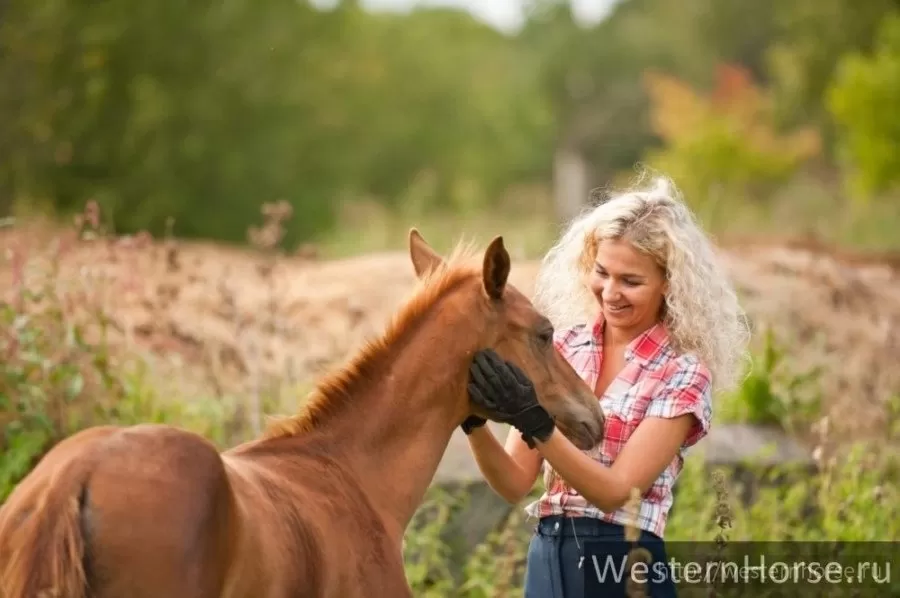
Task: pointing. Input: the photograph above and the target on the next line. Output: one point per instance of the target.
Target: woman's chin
(617, 315)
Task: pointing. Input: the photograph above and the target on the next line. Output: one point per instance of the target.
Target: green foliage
(48, 368)
(855, 496)
(201, 116)
(771, 394)
(863, 99)
(812, 37)
(426, 553)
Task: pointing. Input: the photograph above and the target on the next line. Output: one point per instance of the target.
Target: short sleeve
(687, 389)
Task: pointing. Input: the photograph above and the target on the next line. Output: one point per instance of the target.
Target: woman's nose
(610, 291)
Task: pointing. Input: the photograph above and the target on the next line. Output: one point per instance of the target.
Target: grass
(58, 375)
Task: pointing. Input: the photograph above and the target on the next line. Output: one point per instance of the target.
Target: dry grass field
(217, 320)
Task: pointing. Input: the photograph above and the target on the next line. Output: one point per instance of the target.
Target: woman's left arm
(679, 416)
(644, 457)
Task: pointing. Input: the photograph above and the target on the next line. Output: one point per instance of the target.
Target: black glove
(472, 422)
(504, 390)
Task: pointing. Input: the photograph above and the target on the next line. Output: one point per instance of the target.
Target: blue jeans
(559, 543)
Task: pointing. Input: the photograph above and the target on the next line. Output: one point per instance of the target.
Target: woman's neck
(619, 338)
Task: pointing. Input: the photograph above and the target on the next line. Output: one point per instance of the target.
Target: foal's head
(503, 319)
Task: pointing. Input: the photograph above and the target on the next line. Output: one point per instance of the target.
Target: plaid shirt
(655, 382)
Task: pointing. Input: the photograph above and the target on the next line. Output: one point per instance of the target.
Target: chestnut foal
(318, 506)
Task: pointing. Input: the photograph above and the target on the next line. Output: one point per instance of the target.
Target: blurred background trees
(203, 111)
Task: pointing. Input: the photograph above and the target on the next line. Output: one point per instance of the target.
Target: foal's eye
(545, 336)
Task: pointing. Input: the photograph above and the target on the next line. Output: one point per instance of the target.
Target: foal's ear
(496, 268)
(423, 257)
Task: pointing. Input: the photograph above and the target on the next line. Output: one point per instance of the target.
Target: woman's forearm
(503, 473)
(649, 450)
(597, 483)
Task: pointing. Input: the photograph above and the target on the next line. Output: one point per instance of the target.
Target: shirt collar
(646, 347)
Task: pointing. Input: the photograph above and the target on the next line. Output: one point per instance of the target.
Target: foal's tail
(41, 542)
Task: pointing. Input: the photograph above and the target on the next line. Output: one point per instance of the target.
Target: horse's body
(318, 506)
(162, 514)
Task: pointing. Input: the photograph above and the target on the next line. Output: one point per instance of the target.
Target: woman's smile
(616, 309)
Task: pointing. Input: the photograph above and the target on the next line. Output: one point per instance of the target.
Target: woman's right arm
(510, 471)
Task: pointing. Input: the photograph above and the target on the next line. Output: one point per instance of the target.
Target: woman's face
(629, 286)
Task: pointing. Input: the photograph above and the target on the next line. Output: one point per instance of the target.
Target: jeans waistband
(562, 526)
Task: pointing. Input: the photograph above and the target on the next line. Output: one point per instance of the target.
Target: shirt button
(556, 525)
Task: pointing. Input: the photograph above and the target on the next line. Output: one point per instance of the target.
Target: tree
(864, 99)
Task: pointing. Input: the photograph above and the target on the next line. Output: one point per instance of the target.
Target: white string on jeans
(575, 534)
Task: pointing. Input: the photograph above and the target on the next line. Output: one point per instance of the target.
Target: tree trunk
(570, 183)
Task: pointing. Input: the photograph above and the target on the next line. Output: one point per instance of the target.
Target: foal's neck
(400, 430)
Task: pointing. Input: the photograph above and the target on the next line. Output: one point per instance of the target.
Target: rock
(765, 445)
(754, 457)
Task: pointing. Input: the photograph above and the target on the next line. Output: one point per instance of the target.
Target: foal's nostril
(585, 435)
(594, 426)
(589, 430)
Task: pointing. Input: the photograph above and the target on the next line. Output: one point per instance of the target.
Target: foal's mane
(336, 389)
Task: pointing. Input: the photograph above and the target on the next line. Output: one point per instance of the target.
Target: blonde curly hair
(701, 310)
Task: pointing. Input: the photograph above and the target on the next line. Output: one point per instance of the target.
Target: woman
(646, 315)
